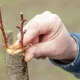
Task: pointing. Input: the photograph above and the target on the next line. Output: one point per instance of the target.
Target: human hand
(49, 38)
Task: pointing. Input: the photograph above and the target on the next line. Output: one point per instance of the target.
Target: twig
(3, 32)
(21, 30)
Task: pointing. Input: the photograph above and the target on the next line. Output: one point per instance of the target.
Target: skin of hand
(49, 38)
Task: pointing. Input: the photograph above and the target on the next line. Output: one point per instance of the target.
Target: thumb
(37, 51)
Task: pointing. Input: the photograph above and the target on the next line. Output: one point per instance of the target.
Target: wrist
(75, 48)
(73, 53)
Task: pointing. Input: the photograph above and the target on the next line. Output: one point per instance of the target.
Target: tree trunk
(16, 66)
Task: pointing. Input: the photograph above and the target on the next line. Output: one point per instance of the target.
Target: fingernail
(29, 57)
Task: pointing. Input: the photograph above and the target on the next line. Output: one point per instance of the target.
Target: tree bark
(16, 66)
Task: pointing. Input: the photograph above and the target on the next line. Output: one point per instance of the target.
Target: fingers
(38, 51)
(40, 24)
(31, 34)
(42, 57)
(36, 22)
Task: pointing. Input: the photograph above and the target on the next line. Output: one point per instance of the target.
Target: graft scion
(21, 30)
(3, 32)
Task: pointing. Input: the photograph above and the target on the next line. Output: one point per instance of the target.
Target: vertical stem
(21, 29)
(2, 29)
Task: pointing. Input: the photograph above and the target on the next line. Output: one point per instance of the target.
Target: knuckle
(37, 16)
(47, 12)
(55, 16)
(34, 25)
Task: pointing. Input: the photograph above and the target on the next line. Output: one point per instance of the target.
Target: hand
(49, 38)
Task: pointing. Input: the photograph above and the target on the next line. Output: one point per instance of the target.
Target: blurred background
(69, 12)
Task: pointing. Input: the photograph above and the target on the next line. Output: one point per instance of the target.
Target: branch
(18, 27)
(3, 32)
(21, 30)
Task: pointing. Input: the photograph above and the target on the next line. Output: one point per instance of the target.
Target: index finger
(31, 33)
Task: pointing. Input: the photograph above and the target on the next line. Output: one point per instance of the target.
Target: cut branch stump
(16, 66)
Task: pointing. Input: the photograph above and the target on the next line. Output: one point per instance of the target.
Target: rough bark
(16, 66)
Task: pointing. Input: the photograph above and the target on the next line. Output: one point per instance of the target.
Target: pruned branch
(3, 32)
(8, 36)
(21, 30)
(18, 26)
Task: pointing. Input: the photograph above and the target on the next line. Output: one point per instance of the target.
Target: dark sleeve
(74, 66)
